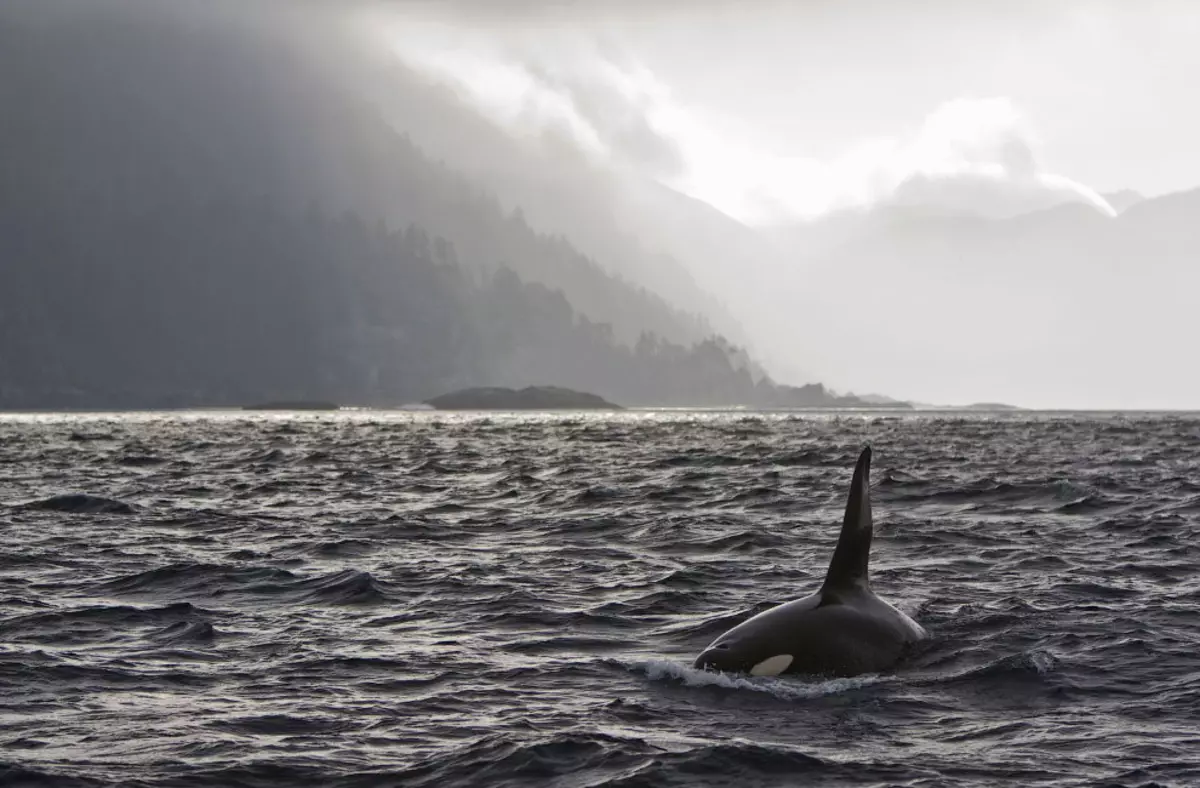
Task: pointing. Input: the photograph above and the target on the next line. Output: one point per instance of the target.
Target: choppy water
(439, 600)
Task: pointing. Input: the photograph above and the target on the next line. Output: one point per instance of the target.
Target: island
(528, 398)
(815, 395)
(975, 407)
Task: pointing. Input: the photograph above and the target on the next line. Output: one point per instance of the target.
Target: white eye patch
(772, 666)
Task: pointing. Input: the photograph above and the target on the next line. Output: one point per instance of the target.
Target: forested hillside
(189, 215)
(120, 101)
(224, 303)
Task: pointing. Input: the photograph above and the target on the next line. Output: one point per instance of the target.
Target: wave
(744, 540)
(348, 587)
(1037, 669)
(17, 776)
(87, 624)
(655, 601)
(89, 437)
(700, 459)
(269, 457)
(751, 760)
(988, 492)
(566, 643)
(805, 457)
(345, 547)
(595, 758)
(783, 688)
(283, 725)
(59, 675)
(500, 759)
(345, 587)
(187, 578)
(80, 503)
(185, 632)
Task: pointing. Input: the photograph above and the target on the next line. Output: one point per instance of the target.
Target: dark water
(436, 600)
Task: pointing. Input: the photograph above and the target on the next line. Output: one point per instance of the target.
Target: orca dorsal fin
(848, 569)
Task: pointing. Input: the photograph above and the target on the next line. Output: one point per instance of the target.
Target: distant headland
(528, 398)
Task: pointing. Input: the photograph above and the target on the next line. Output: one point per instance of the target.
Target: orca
(843, 629)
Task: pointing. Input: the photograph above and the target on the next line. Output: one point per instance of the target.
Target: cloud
(520, 11)
(575, 84)
(995, 195)
(618, 106)
(583, 86)
(974, 156)
(979, 156)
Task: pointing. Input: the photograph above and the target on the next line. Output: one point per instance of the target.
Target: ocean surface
(424, 599)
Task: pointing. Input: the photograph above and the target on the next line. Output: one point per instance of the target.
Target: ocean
(435, 599)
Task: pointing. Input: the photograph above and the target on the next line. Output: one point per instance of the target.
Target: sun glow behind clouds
(971, 154)
(616, 110)
(497, 85)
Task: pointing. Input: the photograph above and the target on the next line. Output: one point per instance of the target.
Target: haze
(780, 114)
(944, 202)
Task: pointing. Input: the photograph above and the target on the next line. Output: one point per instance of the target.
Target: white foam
(793, 688)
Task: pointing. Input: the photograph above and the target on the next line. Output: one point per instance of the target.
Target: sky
(774, 111)
(783, 114)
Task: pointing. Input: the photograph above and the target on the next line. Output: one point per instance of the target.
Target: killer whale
(843, 629)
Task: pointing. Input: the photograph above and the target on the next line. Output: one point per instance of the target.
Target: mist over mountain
(1123, 198)
(553, 185)
(1089, 305)
(573, 144)
(966, 159)
(196, 208)
(946, 260)
(159, 101)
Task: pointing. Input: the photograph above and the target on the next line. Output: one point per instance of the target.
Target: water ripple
(363, 599)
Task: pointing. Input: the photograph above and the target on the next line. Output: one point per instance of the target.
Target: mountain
(1075, 306)
(1123, 198)
(556, 190)
(699, 259)
(152, 100)
(195, 210)
(219, 302)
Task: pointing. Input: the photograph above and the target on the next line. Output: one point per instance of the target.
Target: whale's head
(721, 656)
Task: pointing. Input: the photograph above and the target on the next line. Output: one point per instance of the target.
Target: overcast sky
(771, 109)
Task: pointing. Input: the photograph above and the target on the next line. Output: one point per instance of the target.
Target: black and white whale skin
(843, 629)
